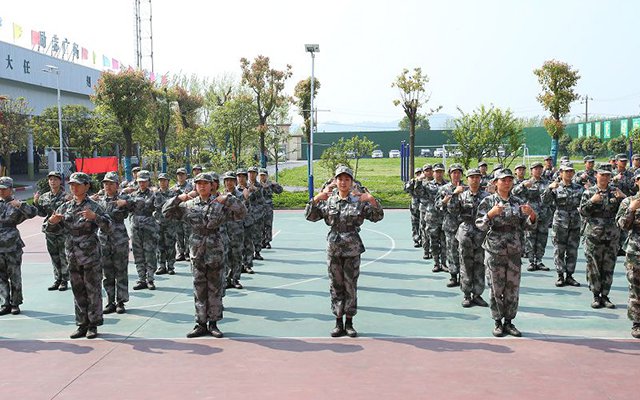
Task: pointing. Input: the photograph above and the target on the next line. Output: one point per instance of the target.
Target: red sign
(97, 165)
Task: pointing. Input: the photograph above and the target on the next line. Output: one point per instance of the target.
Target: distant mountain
(437, 121)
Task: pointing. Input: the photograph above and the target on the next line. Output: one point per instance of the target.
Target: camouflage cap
(163, 175)
(214, 177)
(143, 176)
(547, 158)
(54, 173)
(79, 177)
(564, 158)
(253, 169)
(111, 177)
(473, 172)
(417, 170)
(536, 165)
(135, 169)
(621, 157)
(263, 171)
(197, 166)
(483, 164)
(181, 171)
(497, 167)
(427, 166)
(241, 171)
(229, 175)
(503, 173)
(203, 176)
(567, 166)
(612, 158)
(604, 168)
(343, 169)
(520, 166)
(438, 167)
(455, 167)
(589, 159)
(635, 157)
(6, 182)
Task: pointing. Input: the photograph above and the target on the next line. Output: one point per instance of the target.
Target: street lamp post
(313, 49)
(54, 70)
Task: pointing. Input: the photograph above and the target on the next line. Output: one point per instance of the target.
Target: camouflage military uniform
(206, 248)
(83, 255)
(11, 250)
(503, 249)
(47, 204)
(601, 238)
(248, 248)
(433, 221)
(630, 221)
(268, 189)
(624, 181)
(344, 246)
(182, 228)
(536, 239)
(450, 224)
(566, 224)
(167, 234)
(548, 174)
(114, 249)
(258, 209)
(235, 232)
(584, 177)
(414, 210)
(472, 270)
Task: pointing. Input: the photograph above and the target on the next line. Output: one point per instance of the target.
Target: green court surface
(288, 297)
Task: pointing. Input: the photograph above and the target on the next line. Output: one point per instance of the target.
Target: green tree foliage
(302, 96)
(422, 123)
(191, 134)
(267, 85)
(563, 144)
(346, 152)
(14, 127)
(125, 95)
(487, 132)
(234, 129)
(413, 95)
(278, 134)
(162, 110)
(593, 146)
(617, 145)
(575, 146)
(359, 147)
(558, 81)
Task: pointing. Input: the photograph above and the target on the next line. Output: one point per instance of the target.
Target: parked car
(394, 154)
(438, 152)
(351, 154)
(377, 154)
(425, 152)
(455, 153)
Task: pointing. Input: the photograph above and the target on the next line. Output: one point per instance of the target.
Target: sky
(474, 52)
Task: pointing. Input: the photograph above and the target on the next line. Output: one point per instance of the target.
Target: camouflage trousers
(11, 278)
(472, 270)
(183, 231)
(565, 245)
(144, 242)
(208, 287)
(424, 234)
(115, 263)
(438, 243)
(256, 234)
(55, 247)
(414, 212)
(503, 273)
(536, 242)
(601, 261)
(633, 276)
(233, 264)
(87, 292)
(247, 246)
(167, 246)
(343, 277)
(267, 230)
(453, 252)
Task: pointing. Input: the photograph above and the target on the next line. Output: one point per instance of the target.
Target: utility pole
(585, 101)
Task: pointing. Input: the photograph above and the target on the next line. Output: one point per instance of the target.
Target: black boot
(54, 286)
(606, 302)
(197, 331)
(498, 330)
(92, 332)
(213, 330)
(339, 329)
(570, 281)
(466, 302)
(597, 301)
(454, 281)
(635, 330)
(510, 329)
(480, 301)
(257, 256)
(109, 308)
(348, 327)
(80, 332)
(560, 282)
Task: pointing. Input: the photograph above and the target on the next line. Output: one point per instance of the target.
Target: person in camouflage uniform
(235, 233)
(586, 178)
(484, 174)
(206, 213)
(182, 234)
(464, 204)
(549, 170)
(268, 189)
(258, 208)
(79, 219)
(249, 220)
(635, 163)
(12, 213)
(501, 215)
(428, 190)
(451, 221)
(414, 207)
(521, 171)
(168, 229)
(46, 204)
(344, 211)
(536, 239)
(628, 219)
(129, 186)
(114, 246)
(622, 178)
(425, 203)
(564, 197)
(598, 207)
(195, 171)
(142, 205)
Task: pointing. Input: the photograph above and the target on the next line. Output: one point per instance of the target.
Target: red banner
(96, 165)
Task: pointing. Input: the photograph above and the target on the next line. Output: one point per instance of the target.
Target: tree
(126, 95)
(14, 127)
(161, 113)
(335, 155)
(234, 127)
(302, 95)
(192, 137)
(563, 144)
(278, 134)
(575, 146)
(358, 148)
(617, 145)
(593, 146)
(487, 132)
(268, 86)
(413, 95)
(422, 122)
(558, 81)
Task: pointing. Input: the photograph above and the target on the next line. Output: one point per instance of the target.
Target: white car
(438, 152)
(394, 154)
(377, 154)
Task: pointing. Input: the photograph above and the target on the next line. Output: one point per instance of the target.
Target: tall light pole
(313, 49)
(52, 69)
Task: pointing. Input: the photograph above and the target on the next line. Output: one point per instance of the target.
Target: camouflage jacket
(503, 231)
(624, 181)
(48, 203)
(206, 219)
(533, 196)
(143, 207)
(548, 173)
(234, 228)
(268, 189)
(186, 187)
(630, 221)
(428, 192)
(600, 217)
(253, 204)
(465, 206)
(117, 234)
(166, 195)
(81, 235)
(485, 180)
(450, 221)
(585, 176)
(344, 216)
(566, 201)
(410, 188)
(10, 218)
(257, 205)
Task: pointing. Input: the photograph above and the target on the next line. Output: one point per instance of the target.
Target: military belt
(468, 220)
(601, 214)
(504, 228)
(7, 225)
(80, 232)
(342, 229)
(203, 231)
(566, 208)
